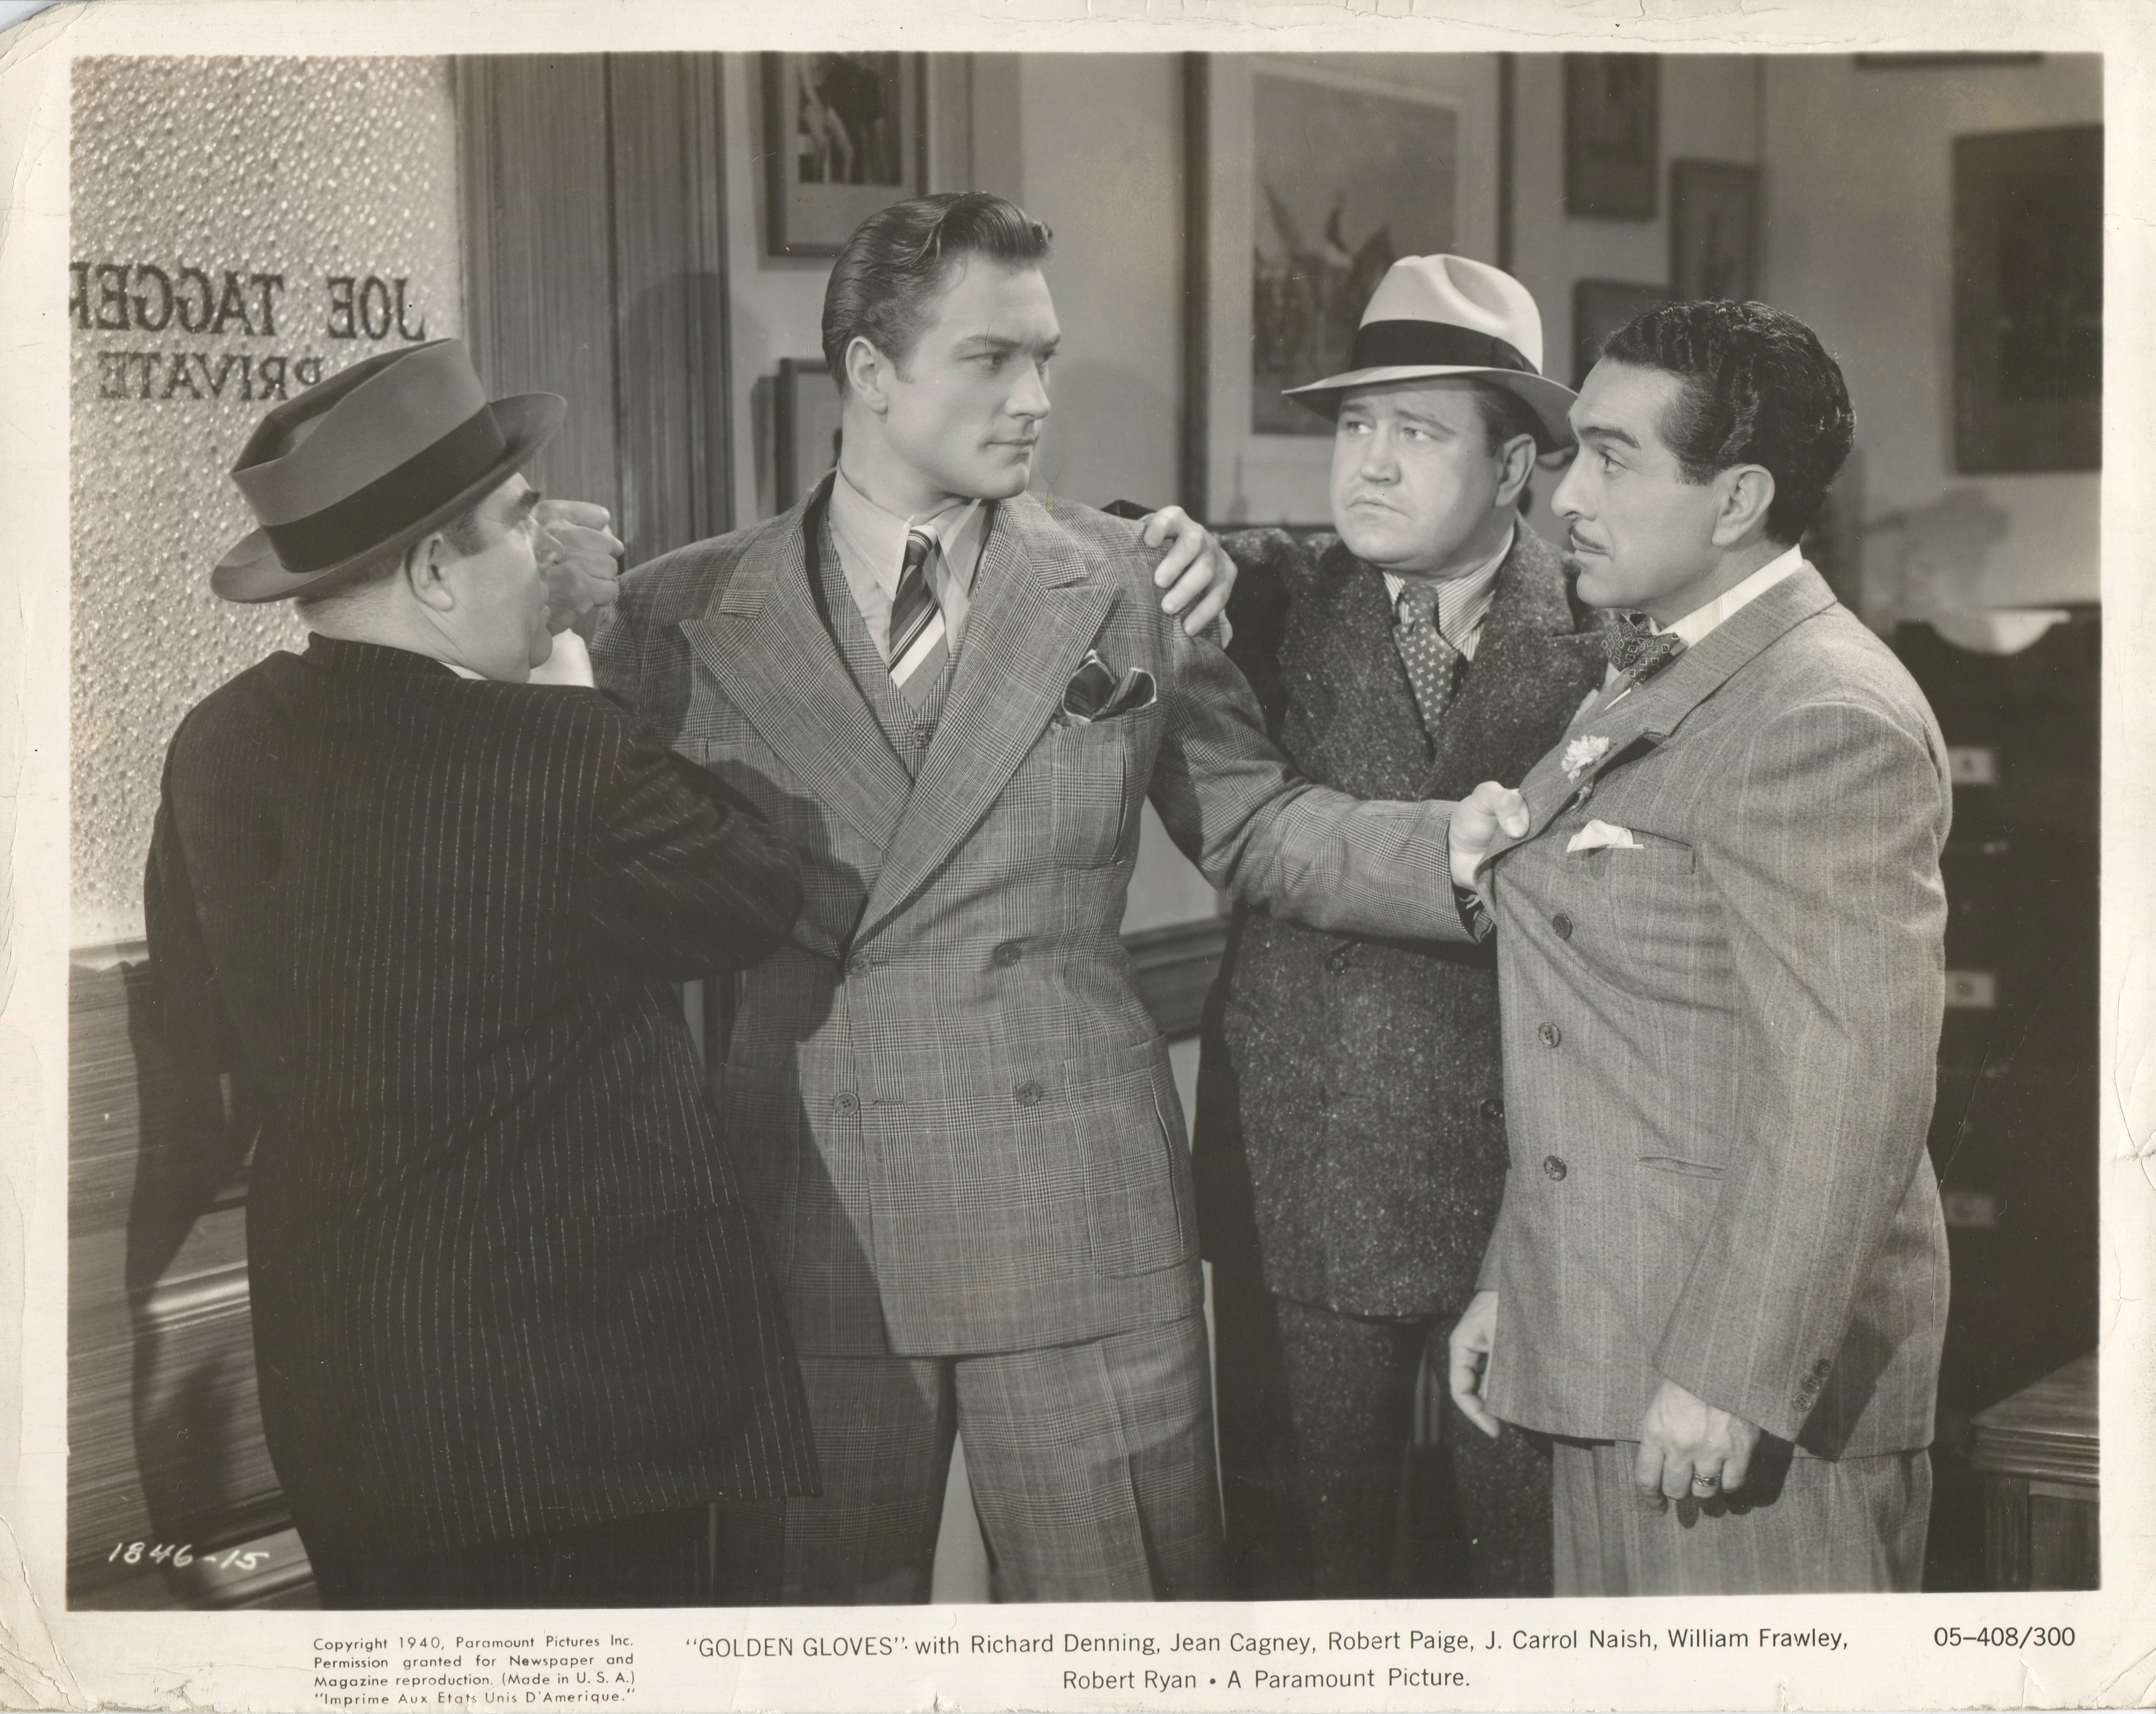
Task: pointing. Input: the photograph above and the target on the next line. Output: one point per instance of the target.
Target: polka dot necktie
(1433, 664)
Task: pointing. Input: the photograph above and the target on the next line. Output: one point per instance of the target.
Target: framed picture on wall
(1714, 230)
(1307, 182)
(1612, 135)
(842, 137)
(804, 427)
(2028, 313)
(1599, 307)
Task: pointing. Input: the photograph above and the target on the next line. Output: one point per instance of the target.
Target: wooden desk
(2038, 1453)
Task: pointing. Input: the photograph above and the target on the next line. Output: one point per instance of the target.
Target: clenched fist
(1477, 820)
(579, 557)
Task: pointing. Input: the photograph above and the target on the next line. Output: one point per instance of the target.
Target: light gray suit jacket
(1720, 1047)
(955, 1117)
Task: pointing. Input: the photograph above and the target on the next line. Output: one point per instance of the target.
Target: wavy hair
(1759, 389)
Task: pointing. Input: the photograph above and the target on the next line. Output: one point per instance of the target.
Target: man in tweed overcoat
(1720, 1272)
(963, 1137)
(1350, 1131)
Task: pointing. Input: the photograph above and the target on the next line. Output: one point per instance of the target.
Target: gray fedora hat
(370, 461)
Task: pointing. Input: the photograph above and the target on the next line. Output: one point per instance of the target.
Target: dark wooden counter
(2038, 1452)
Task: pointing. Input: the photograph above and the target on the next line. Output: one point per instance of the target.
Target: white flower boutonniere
(1583, 753)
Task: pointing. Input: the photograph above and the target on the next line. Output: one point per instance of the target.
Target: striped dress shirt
(1462, 603)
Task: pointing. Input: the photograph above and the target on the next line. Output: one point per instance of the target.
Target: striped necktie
(918, 646)
(1432, 664)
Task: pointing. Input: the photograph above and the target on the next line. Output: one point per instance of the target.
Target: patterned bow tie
(1633, 646)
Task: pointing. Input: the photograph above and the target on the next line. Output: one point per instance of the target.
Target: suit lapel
(1529, 624)
(1033, 613)
(1648, 713)
(768, 648)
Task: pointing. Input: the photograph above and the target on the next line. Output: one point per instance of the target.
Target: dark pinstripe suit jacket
(962, 1132)
(1350, 1133)
(503, 1281)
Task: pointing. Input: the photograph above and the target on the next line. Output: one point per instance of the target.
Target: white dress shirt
(871, 544)
(1697, 623)
(1463, 602)
(1704, 618)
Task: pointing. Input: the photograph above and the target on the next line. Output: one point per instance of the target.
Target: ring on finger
(1705, 1483)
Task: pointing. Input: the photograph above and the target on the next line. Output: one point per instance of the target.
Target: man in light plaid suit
(956, 1117)
(1720, 1270)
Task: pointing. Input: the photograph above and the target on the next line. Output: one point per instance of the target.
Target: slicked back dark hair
(1759, 389)
(901, 259)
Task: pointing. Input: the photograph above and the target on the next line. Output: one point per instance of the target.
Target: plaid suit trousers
(1091, 1467)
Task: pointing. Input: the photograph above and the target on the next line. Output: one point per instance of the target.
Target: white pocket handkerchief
(1597, 835)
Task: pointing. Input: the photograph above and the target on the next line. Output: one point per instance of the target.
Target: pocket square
(1096, 691)
(1602, 835)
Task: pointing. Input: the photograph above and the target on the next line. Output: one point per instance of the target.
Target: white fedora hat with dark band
(370, 460)
(1438, 316)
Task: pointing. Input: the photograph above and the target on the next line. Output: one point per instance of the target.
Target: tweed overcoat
(503, 1281)
(1720, 1046)
(1349, 1140)
(961, 1130)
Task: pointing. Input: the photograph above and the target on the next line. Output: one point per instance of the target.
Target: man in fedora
(968, 1155)
(1350, 1132)
(1720, 1272)
(514, 1333)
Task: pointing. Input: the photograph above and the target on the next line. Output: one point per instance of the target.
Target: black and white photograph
(1074, 867)
(841, 137)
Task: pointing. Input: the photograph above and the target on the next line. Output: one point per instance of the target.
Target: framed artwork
(1309, 177)
(1599, 307)
(1612, 135)
(842, 137)
(1714, 230)
(2028, 313)
(804, 427)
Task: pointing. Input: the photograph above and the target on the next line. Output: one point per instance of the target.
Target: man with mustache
(1350, 1132)
(1720, 1272)
(965, 1144)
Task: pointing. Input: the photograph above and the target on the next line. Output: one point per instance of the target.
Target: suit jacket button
(1492, 1108)
(860, 964)
(1028, 1094)
(1008, 953)
(846, 1101)
(1551, 1036)
(1554, 1167)
(1337, 963)
(1563, 924)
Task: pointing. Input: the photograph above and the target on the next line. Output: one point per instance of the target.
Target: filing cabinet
(2013, 1134)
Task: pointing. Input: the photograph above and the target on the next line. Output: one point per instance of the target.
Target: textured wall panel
(310, 170)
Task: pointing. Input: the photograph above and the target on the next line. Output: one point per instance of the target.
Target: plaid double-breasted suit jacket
(960, 1129)
(1720, 1046)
